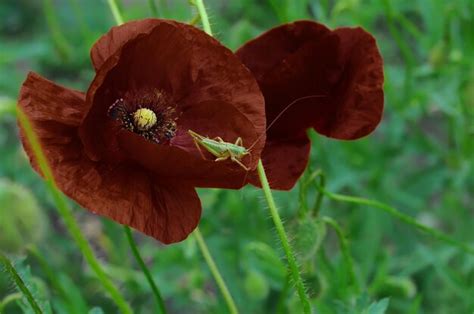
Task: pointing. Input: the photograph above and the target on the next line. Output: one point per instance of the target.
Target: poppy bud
(21, 219)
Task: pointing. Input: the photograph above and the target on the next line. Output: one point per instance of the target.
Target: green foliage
(420, 161)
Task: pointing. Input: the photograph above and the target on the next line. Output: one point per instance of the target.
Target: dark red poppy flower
(122, 150)
(333, 80)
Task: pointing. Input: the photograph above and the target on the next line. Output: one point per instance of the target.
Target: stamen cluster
(147, 112)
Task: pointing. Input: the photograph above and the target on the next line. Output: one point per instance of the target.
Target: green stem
(203, 13)
(115, 12)
(280, 308)
(145, 270)
(404, 218)
(85, 30)
(20, 283)
(405, 49)
(48, 270)
(345, 250)
(319, 198)
(153, 8)
(215, 272)
(67, 215)
(62, 45)
(195, 20)
(202, 244)
(283, 238)
(9, 299)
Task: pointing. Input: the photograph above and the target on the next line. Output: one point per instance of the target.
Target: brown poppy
(122, 150)
(333, 80)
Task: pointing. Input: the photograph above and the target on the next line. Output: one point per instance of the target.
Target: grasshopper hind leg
(234, 159)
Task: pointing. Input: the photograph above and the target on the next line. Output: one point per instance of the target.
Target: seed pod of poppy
(309, 234)
(393, 286)
(256, 285)
(21, 219)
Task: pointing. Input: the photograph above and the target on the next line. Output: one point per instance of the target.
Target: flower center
(144, 119)
(149, 113)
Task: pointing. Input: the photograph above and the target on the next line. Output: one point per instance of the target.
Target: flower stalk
(206, 25)
(115, 11)
(294, 270)
(215, 272)
(146, 272)
(404, 218)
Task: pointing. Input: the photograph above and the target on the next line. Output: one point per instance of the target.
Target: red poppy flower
(332, 79)
(122, 150)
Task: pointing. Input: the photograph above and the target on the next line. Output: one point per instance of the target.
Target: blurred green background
(419, 160)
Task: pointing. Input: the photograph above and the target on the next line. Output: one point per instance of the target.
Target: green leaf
(378, 307)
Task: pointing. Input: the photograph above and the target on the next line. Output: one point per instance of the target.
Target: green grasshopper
(220, 149)
(235, 151)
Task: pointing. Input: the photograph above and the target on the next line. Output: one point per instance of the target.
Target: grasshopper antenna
(281, 113)
(275, 120)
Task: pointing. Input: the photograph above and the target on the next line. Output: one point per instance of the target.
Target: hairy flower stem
(154, 287)
(203, 13)
(115, 11)
(295, 273)
(404, 218)
(19, 283)
(215, 272)
(67, 215)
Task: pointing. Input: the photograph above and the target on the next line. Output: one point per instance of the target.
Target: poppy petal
(333, 78)
(116, 37)
(284, 162)
(301, 64)
(206, 81)
(52, 102)
(167, 211)
(359, 93)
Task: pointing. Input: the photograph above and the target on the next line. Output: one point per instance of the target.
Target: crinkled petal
(333, 79)
(284, 162)
(116, 37)
(52, 103)
(165, 210)
(359, 92)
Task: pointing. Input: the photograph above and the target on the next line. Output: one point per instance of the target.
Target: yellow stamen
(144, 119)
